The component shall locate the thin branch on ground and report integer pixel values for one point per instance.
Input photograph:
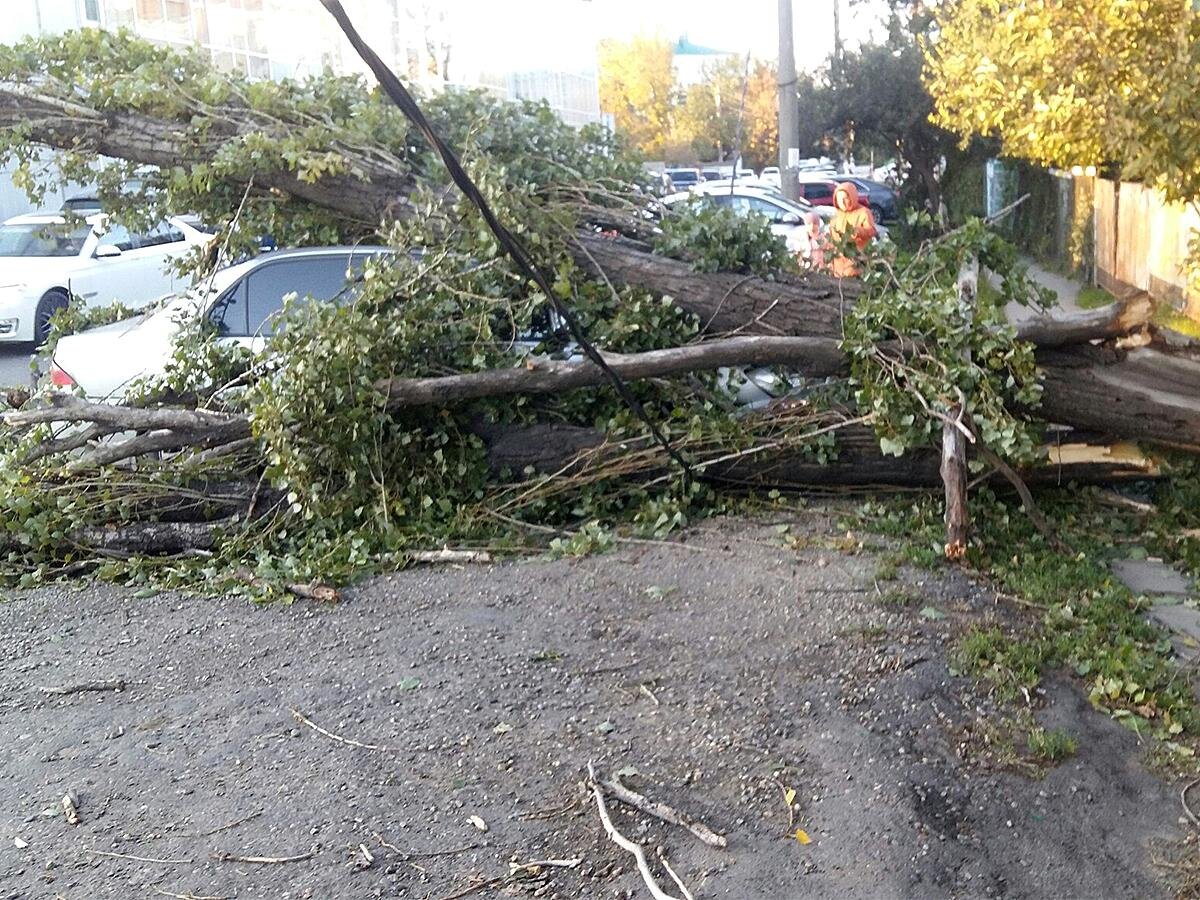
(266, 860)
(304, 720)
(1183, 795)
(630, 797)
(218, 830)
(639, 854)
(163, 893)
(114, 684)
(666, 864)
(145, 859)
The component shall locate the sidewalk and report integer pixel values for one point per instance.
(1067, 290)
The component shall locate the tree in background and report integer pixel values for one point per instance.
(637, 85)
(709, 118)
(1106, 83)
(686, 125)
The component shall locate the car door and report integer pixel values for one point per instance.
(112, 272)
(166, 245)
(244, 314)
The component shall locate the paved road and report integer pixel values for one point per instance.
(14, 366)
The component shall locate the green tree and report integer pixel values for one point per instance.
(637, 85)
(1105, 83)
(708, 120)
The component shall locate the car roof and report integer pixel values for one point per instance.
(49, 219)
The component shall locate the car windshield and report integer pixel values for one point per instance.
(43, 239)
(683, 176)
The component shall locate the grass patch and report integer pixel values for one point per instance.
(1167, 317)
(1052, 746)
(1087, 621)
(1092, 297)
(1012, 666)
(899, 597)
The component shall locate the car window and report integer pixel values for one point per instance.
(117, 236)
(53, 239)
(767, 208)
(321, 278)
(162, 233)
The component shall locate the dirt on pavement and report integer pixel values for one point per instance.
(727, 671)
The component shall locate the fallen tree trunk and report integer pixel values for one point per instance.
(564, 450)
(376, 187)
(1143, 394)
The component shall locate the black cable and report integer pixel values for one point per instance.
(399, 95)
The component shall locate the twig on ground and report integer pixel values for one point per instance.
(623, 842)
(447, 555)
(429, 855)
(145, 859)
(114, 684)
(322, 593)
(304, 720)
(668, 814)
(1183, 795)
(649, 693)
(546, 864)
(234, 824)
(539, 814)
(662, 858)
(266, 860)
(163, 893)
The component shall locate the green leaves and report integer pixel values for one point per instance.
(716, 239)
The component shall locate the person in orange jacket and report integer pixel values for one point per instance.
(851, 222)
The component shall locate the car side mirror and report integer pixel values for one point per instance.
(790, 219)
(107, 251)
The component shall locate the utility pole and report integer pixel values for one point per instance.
(789, 114)
(837, 38)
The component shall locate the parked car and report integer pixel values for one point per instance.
(817, 189)
(787, 217)
(770, 177)
(682, 179)
(240, 301)
(44, 260)
(883, 201)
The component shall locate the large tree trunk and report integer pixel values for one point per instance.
(568, 449)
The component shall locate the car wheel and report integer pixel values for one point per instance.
(51, 302)
(877, 212)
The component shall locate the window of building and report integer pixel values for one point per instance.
(91, 11)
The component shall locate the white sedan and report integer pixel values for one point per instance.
(45, 260)
(239, 301)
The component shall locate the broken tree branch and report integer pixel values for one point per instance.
(620, 791)
(815, 357)
(639, 854)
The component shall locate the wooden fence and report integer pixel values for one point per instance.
(1142, 244)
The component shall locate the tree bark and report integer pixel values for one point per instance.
(811, 304)
(954, 438)
(813, 357)
(375, 190)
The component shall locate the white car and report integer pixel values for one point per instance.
(240, 301)
(44, 260)
(787, 217)
(769, 177)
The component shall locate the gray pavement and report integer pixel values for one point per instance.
(14, 366)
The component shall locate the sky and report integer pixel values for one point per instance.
(551, 33)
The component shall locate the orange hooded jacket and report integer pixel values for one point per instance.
(851, 221)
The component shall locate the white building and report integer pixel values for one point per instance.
(436, 43)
